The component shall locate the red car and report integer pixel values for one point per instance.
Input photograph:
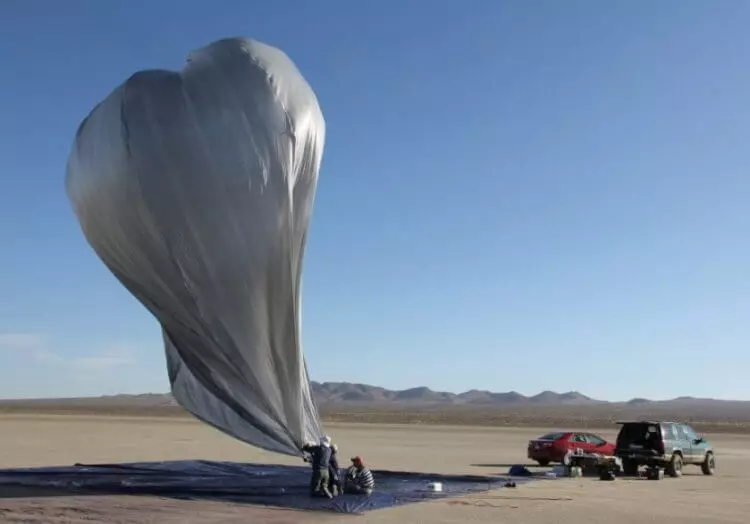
(554, 447)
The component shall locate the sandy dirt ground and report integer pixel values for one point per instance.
(40, 440)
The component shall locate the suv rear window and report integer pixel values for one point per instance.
(552, 436)
(638, 433)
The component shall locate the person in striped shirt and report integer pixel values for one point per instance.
(359, 479)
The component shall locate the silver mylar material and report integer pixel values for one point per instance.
(195, 188)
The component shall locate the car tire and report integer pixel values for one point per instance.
(708, 466)
(543, 463)
(630, 468)
(674, 468)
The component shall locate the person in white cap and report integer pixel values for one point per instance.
(320, 459)
(334, 484)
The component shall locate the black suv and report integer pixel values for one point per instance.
(666, 445)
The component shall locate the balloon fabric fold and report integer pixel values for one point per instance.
(195, 188)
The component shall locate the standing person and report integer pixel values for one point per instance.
(359, 479)
(320, 459)
(334, 484)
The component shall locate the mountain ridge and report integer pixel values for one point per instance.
(353, 394)
(340, 392)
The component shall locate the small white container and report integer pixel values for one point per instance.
(436, 487)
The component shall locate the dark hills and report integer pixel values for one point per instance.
(345, 393)
(349, 393)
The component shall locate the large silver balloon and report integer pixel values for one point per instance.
(195, 188)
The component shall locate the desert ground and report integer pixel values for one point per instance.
(54, 439)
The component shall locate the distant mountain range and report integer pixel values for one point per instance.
(350, 394)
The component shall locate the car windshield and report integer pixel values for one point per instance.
(552, 436)
(689, 432)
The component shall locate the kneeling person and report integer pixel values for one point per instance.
(359, 479)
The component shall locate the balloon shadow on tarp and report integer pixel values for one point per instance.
(257, 484)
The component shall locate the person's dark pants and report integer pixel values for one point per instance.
(334, 485)
(319, 482)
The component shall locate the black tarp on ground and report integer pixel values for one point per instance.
(261, 484)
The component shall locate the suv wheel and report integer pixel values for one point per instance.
(674, 468)
(543, 462)
(709, 464)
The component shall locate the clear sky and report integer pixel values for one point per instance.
(512, 192)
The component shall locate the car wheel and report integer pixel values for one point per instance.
(543, 463)
(674, 468)
(630, 468)
(709, 464)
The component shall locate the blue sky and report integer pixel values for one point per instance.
(509, 192)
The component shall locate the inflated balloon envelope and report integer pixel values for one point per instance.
(195, 188)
